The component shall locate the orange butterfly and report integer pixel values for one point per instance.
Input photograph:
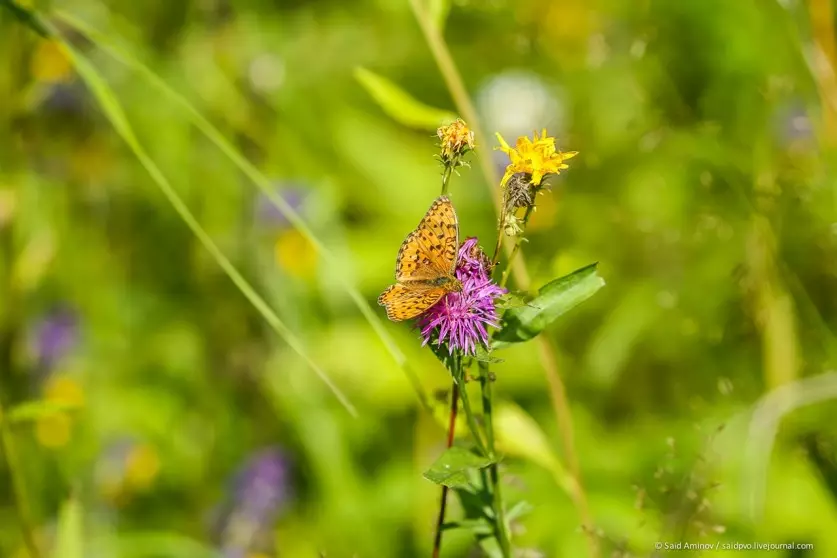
(424, 268)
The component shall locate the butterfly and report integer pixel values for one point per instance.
(425, 264)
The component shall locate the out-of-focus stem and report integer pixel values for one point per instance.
(821, 14)
(18, 487)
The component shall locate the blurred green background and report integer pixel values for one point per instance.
(705, 187)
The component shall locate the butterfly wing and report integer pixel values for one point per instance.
(429, 252)
(405, 302)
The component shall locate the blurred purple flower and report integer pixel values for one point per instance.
(460, 318)
(54, 335)
(261, 486)
(259, 490)
(792, 125)
(65, 98)
(267, 214)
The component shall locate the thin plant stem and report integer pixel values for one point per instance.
(471, 419)
(454, 404)
(446, 178)
(502, 534)
(453, 80)
(506, 272)
(18, 487)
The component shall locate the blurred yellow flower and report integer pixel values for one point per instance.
(8, 203)
(50, 63)
(63, 389)
(141, 466)
(537, 158)
(295, 254)
(456, 139)
(54, 431)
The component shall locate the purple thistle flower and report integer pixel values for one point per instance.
(460, 318)
(54, 336)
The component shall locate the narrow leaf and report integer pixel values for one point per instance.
(518, 434)
(34, 410)
(554, 299)
(453, 467)
(439, 10)
(479, 526)
(400, 105)
(70, 537)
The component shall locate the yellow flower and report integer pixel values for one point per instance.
(50, 63)
(537, 158)
(456, 139)
(295, 254)
(141, 467)
(55, 431)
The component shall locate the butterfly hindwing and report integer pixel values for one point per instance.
(404, 302)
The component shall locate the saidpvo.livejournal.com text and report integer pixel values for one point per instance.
(761, 546)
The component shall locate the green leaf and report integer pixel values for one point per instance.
(443, 354)
(480, 526)
(515, 299)
(519, 510)
(454, 466)
(70, 537)
(34, 410)
(519, 435)
(484, 355)
(439, 10)
(400, 105)
(554, 299)
(161, 544)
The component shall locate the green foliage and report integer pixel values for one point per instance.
(455, 467)
(704, 185)
(34, 410)
(69, 538)
(554, 299)
(399, 105)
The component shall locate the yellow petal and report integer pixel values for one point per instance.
(503, 145)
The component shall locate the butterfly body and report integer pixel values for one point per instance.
(424, 268)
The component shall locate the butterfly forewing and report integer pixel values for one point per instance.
(429, 251)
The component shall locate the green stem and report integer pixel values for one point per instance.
(18, 487)
(459, 378)
(437, 539)
(518, 242)
(446, 178)
(501, 530)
